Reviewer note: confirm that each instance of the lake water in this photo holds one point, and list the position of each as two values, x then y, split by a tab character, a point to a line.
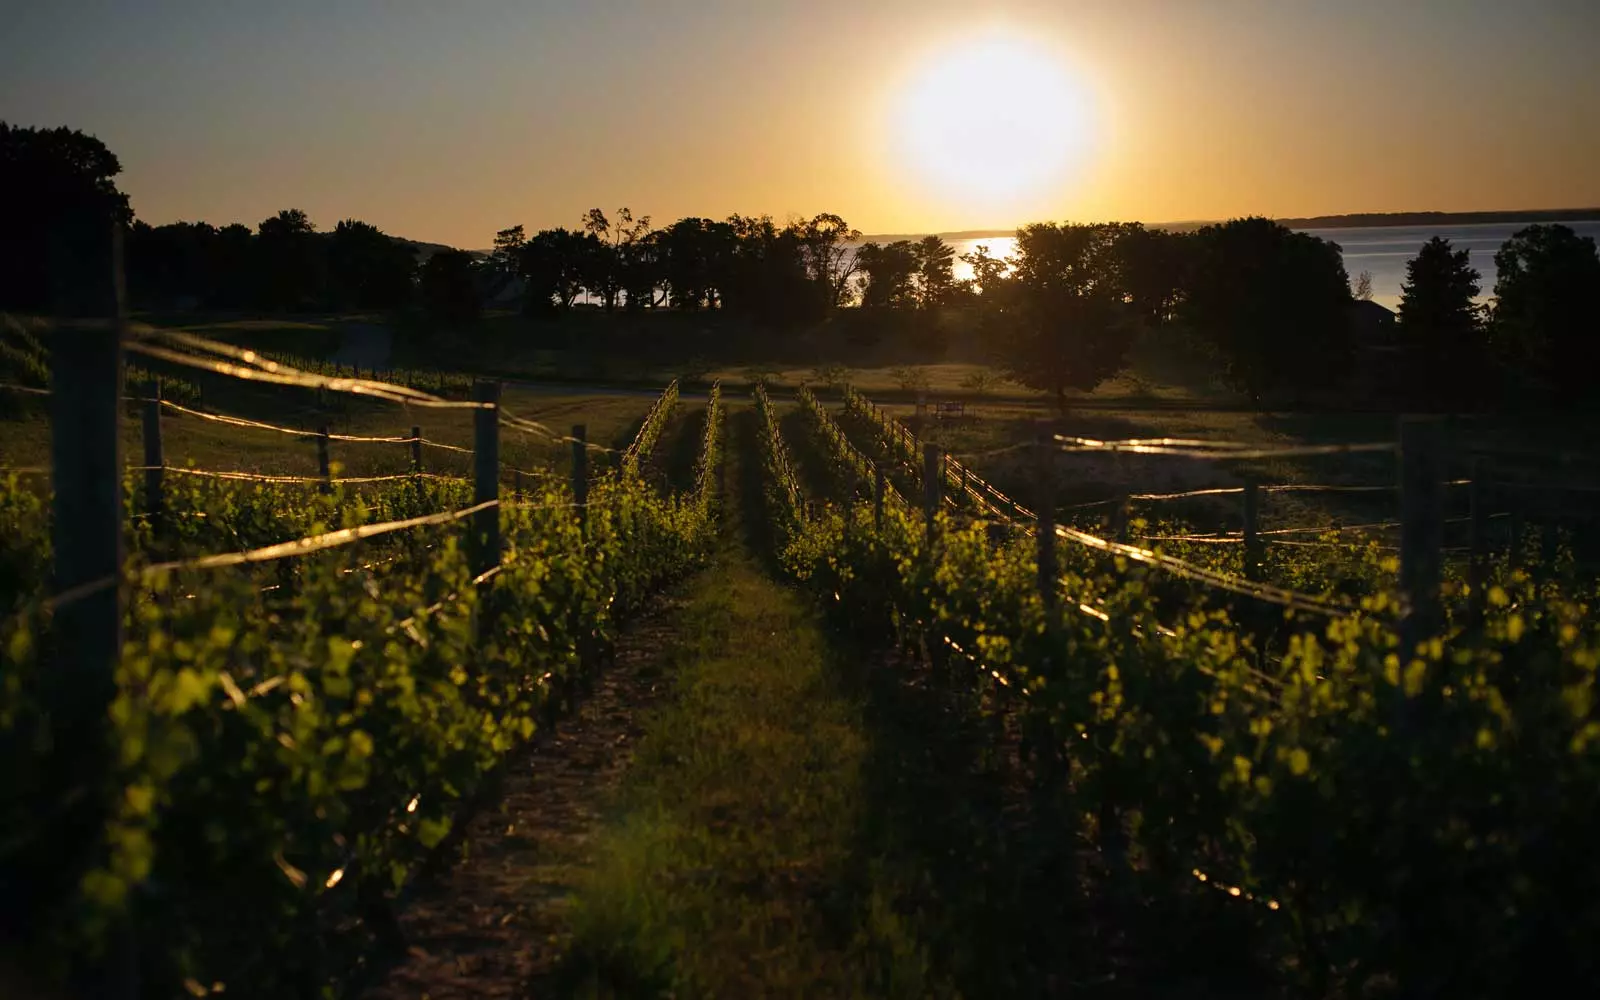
1382	250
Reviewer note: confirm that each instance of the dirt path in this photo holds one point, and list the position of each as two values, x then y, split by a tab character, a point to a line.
499	918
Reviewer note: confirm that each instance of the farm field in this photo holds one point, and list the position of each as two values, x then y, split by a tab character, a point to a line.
849	751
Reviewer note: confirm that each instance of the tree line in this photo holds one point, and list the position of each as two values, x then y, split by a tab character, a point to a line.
1061	313
1276	309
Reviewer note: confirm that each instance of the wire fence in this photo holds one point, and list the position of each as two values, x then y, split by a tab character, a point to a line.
230	361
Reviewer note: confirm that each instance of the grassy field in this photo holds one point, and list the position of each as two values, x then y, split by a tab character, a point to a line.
590	347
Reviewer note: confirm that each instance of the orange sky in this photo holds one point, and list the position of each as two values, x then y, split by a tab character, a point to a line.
447	122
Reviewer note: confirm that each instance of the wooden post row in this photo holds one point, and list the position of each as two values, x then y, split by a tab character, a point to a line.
877	496
324	463
932	483
1252	529
86	371
580	475
154	487
1045	527
86	467
486	477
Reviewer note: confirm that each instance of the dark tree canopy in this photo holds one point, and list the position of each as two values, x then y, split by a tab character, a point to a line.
367	269
768	281
51	181
988	271
556	264
1151	263
447	289
1547	306
1062	323
936	278
1440	326
1273	302
888	274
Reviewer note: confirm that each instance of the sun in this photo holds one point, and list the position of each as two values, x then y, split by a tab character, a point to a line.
993	122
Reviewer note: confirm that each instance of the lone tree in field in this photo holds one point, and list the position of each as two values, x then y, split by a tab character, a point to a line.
1440	325
1060	317
1547	306
1273	302
50	179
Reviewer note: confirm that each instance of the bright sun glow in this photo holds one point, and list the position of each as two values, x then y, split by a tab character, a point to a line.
996	122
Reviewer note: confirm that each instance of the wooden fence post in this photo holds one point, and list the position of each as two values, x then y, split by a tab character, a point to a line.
516	483
1045	528
932	495
486	477
877	496
154	491
1252	528
324	463
580	475
416	449
1477	542
1421	530
86	372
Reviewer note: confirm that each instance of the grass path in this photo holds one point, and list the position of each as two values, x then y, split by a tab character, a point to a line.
780	814
731	866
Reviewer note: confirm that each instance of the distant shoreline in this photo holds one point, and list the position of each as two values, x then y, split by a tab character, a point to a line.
1372	219
1351	220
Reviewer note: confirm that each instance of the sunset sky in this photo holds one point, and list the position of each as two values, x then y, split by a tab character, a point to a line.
445	122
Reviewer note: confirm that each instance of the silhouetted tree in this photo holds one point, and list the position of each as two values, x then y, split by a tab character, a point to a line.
696	261
233	268
368	269
291	259
556	263
1362	291
447	289
1547	306
936	279
1151	265
166	264
825	246
767	280
1440	325
608	261
988	271
1062	324
1273	302
887	274
51	180
507	244
641	272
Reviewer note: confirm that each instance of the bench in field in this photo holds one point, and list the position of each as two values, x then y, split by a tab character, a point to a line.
950	409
